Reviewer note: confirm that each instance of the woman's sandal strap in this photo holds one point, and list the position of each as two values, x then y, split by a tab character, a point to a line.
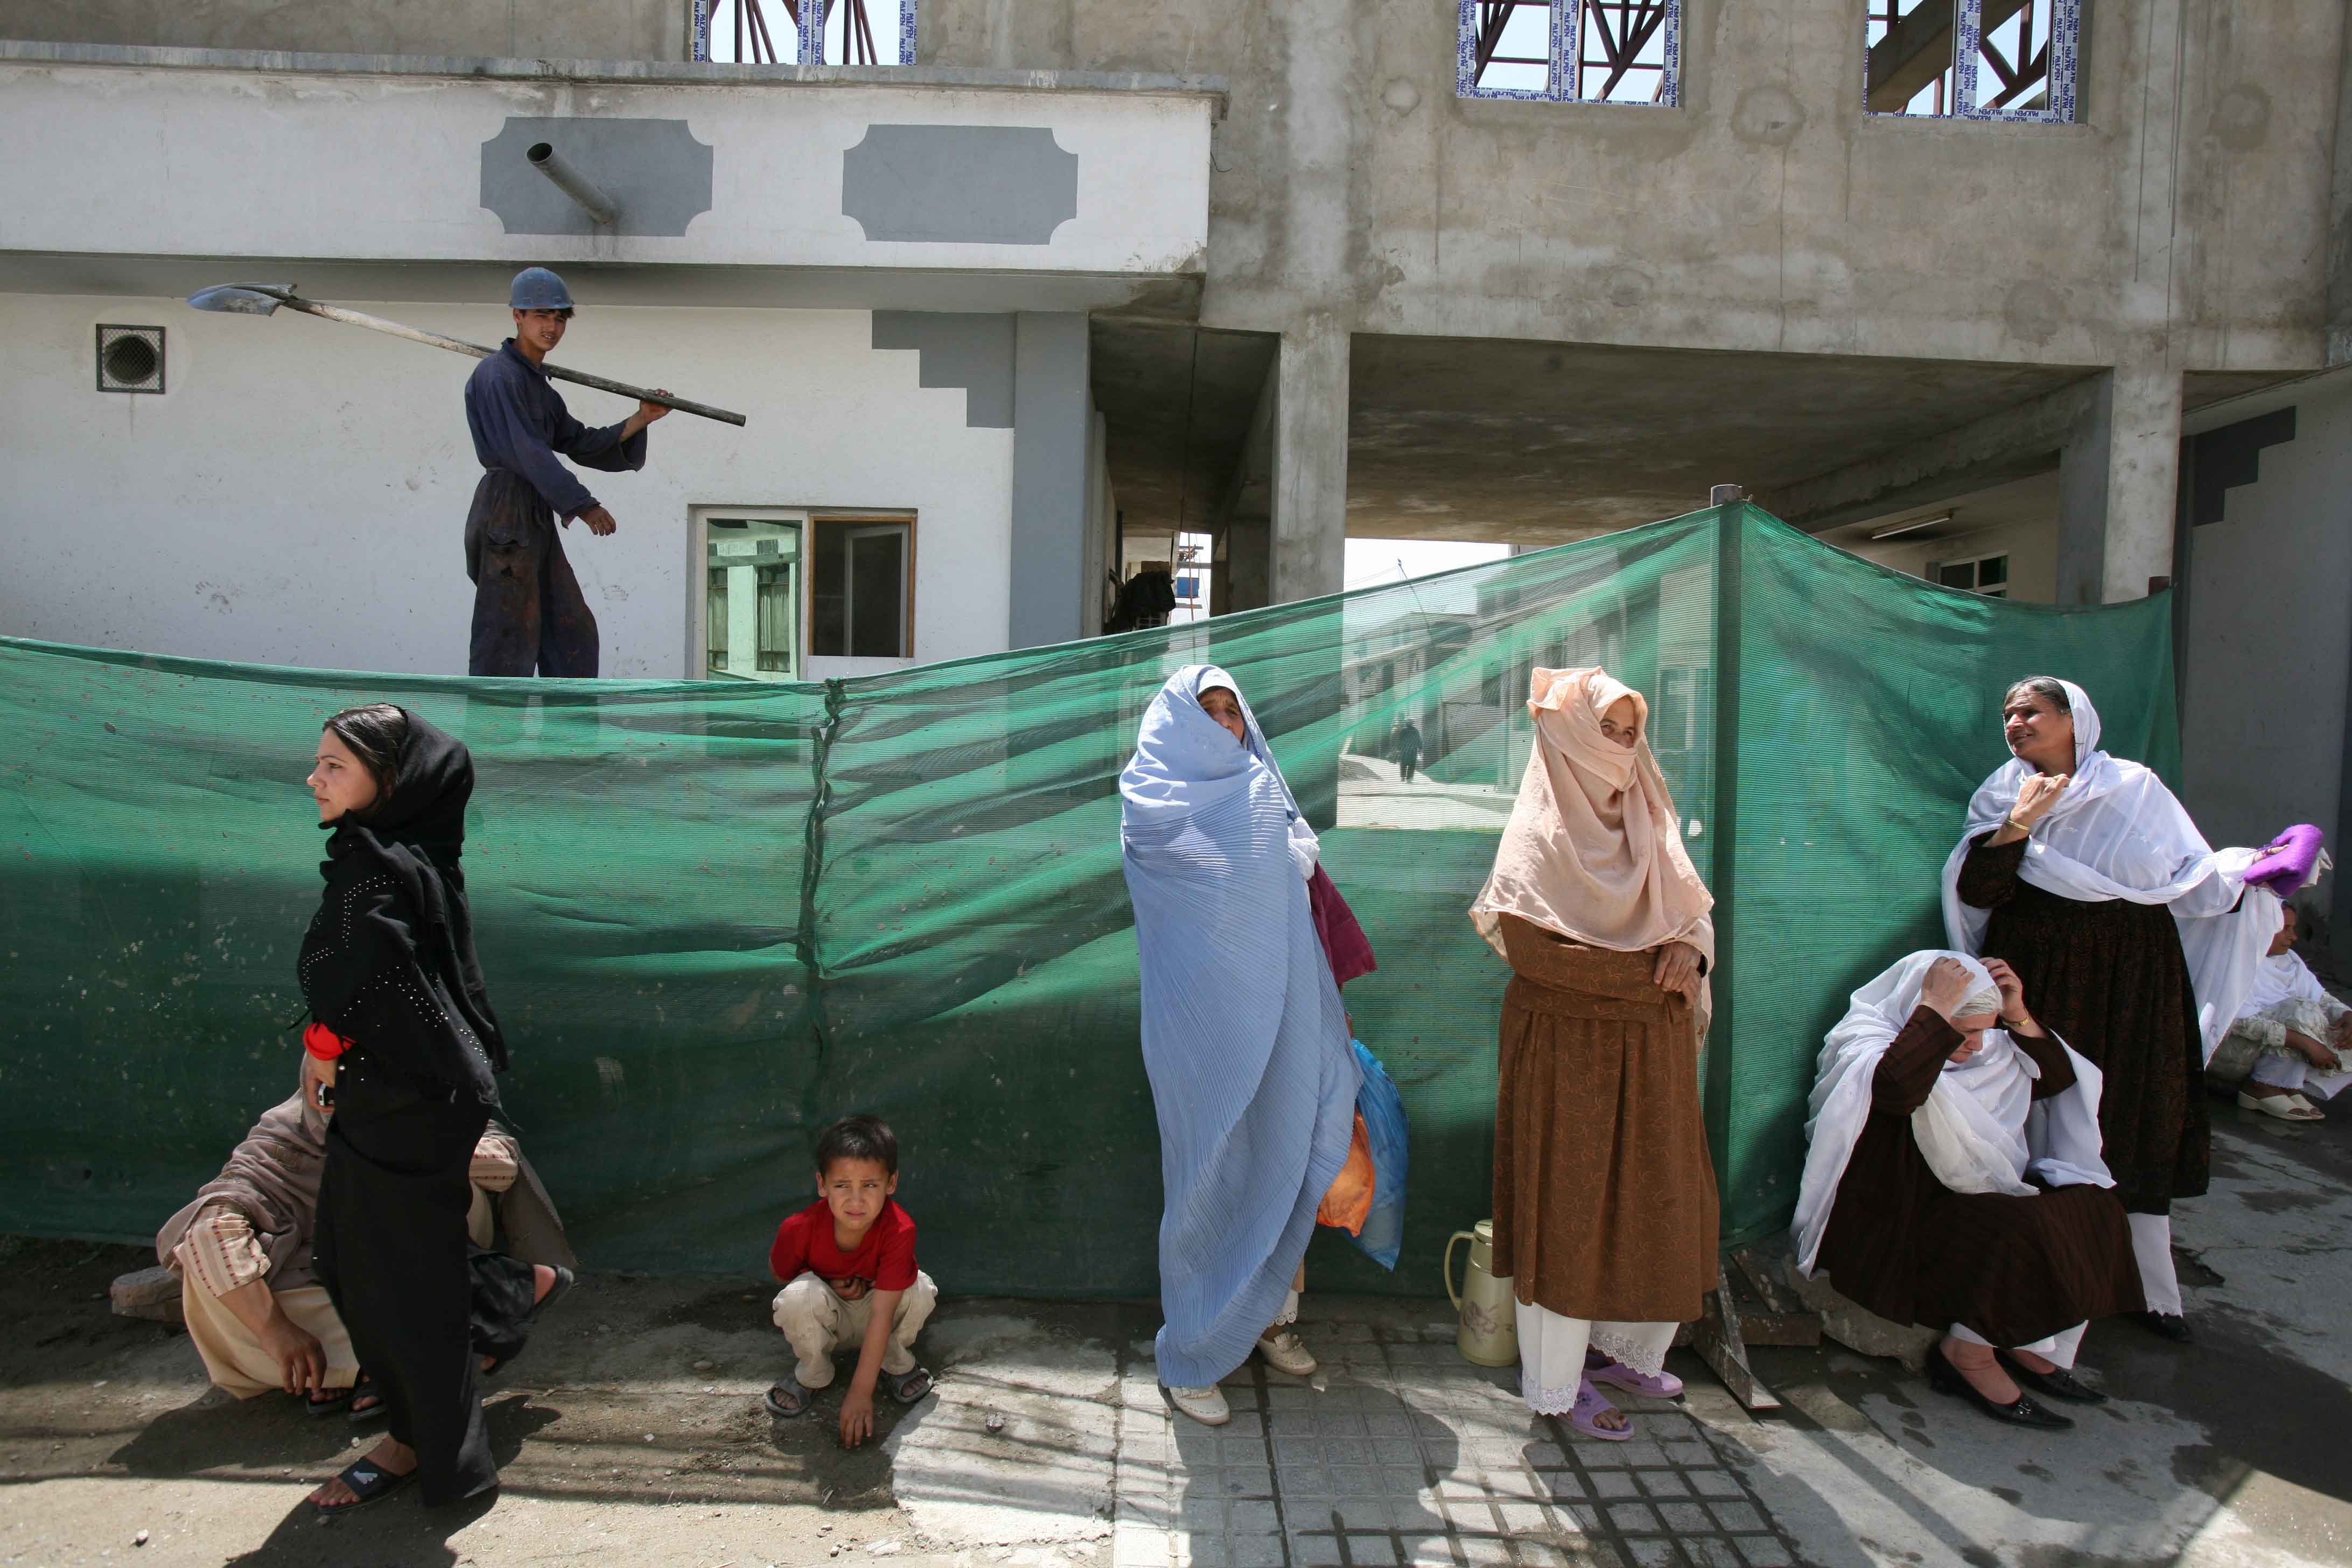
368	1482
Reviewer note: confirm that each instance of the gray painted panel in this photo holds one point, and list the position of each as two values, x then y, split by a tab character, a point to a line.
973	185
656	173
970	349
1051	423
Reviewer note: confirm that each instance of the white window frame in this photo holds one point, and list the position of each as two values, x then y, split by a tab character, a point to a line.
1565	78
812	666
1936	570
1967	67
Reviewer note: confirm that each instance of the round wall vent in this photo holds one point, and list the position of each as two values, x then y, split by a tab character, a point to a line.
130	359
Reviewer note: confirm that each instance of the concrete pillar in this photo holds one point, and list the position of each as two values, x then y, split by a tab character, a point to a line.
1052	425
2118	478
1310	461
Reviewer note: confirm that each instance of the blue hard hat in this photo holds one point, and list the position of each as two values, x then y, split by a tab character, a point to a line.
537	288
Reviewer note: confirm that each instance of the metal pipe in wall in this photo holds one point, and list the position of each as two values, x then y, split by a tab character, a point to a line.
543	157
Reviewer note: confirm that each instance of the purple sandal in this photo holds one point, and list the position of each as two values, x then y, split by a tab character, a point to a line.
1590	1407
1599	1367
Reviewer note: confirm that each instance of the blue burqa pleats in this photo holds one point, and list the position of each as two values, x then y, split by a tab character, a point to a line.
1244	1036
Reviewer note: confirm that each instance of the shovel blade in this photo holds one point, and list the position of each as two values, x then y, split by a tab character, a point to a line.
242	298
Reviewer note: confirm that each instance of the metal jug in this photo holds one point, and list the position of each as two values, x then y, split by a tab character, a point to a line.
1490	1322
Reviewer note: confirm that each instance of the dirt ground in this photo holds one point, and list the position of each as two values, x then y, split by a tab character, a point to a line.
632	1425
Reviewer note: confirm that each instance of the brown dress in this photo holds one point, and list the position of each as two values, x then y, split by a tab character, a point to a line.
1604	1199
2014	1269
2109	978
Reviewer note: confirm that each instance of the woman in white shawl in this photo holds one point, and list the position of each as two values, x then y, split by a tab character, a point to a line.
1244	1036
1605	1213
1953	1180
2133	938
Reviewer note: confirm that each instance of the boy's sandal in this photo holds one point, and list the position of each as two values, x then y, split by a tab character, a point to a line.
564	1280
334	1399
1588	1410
365	1389
907	1390
369	1482
787	1400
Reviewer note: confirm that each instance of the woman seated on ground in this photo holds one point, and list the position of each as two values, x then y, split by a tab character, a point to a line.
2289	1043
251	1296
1955	1180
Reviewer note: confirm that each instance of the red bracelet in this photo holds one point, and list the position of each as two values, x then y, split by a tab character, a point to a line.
324	1042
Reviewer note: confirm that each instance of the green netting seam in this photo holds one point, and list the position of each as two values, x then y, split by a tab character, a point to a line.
805	940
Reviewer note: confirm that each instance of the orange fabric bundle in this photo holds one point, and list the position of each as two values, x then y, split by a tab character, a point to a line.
1349	1202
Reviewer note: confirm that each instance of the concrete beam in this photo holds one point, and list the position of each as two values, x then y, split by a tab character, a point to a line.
2012	444
1310	461
2339	223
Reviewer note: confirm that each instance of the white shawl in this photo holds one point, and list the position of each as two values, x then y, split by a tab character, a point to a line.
2118	833
1981	1131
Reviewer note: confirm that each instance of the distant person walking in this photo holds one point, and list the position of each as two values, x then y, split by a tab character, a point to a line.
529	614
1408	749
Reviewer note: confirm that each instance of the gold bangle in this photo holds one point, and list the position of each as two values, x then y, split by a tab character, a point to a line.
2014	1023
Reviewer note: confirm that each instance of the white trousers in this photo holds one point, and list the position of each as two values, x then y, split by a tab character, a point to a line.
816	1323
2058	1349
1551	1353
2151	1236
2280	1070
233	1354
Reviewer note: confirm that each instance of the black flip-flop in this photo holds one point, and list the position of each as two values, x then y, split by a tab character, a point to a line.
365	1388
909	1389
564	1280
790	1388
369	1482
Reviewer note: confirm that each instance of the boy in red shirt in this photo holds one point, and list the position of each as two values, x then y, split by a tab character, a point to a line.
847	1263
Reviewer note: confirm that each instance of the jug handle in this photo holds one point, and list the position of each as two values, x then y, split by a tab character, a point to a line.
1447	1265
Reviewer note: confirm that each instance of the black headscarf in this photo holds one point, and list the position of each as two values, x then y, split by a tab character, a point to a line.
420	923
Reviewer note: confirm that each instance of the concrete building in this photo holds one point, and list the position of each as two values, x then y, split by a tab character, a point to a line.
2006	295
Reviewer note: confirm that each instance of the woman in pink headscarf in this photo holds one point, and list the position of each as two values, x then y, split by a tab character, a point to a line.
1605	1214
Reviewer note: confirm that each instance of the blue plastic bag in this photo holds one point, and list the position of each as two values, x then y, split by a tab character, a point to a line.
1382	1109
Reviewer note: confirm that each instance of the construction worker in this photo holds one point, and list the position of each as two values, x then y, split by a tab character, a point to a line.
529	615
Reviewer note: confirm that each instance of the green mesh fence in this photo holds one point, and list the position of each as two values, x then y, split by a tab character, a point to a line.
717	915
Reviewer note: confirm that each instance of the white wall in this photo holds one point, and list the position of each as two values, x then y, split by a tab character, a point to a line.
168	161
299	494
2270	638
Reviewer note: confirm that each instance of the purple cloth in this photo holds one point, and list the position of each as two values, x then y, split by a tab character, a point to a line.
1344	942
2285	863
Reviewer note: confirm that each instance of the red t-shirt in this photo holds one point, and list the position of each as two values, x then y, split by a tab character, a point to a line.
885	1259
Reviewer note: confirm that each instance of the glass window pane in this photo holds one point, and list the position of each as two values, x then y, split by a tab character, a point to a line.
1992	571
752	32
877	581
1511	45
829	592
1910	64
1622	51
1964	575
864	32
2013	55
752	598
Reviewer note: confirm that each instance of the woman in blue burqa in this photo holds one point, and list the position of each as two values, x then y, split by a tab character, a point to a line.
1243	1035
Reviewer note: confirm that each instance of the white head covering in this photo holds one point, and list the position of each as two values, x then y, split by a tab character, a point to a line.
1980	1129
2118	833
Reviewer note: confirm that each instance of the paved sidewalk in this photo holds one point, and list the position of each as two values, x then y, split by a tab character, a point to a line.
1398	1452
631	1434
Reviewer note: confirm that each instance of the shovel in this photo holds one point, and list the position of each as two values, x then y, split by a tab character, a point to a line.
261	299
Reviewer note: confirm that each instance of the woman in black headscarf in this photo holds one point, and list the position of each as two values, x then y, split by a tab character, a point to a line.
406	1044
